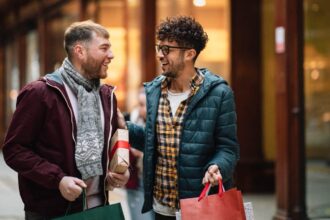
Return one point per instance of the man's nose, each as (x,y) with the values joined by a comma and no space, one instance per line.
(111,55)
(159,54)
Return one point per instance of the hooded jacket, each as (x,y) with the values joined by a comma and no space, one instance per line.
(40,143)
(208,137)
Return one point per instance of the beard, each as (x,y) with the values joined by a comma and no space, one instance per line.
(174,68)
(170,74)
(93,68)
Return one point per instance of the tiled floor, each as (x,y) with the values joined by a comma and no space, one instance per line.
(263,205)
(318,190)
(11,207)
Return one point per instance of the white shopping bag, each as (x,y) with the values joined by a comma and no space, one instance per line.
(178,215)
(248,208)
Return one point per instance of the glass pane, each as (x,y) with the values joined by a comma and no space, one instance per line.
(134,75)
(268,79)
(317,106)
(32,58)
(214,16)
(12,79)
(111,15)
(56,25)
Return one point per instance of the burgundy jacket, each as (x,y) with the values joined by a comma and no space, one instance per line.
(40,143)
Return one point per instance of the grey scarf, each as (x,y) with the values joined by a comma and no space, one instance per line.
(90,139)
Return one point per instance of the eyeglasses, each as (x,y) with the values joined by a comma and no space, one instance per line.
(166,48)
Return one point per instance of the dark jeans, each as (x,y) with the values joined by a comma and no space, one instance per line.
(135,201)
(163,217)
(34,216)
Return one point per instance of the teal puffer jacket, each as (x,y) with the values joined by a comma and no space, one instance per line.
(208,137)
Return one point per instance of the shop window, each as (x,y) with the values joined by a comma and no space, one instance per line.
(317,78)
(112,16)
(12,79)
(214,16)
(134,74)
(56,23)
(32,58)
(268,79)
(317,106)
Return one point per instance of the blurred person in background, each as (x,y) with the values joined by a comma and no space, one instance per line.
(59,135)
(135,182)
(190,136)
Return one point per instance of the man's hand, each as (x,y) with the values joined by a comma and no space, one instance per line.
(121,120)
(136,153)
(71,187)
(212,175)
(117,180)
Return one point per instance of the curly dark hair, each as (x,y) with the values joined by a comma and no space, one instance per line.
(184,30)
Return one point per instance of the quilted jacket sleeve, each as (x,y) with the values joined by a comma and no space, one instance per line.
(136,135)
(226,143)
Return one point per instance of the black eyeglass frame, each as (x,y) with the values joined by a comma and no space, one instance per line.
(166,48)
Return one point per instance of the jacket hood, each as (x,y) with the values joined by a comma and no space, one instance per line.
(54,76)
(211,79)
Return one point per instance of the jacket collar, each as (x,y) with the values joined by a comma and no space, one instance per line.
(153,91)
(210,80)
(55,79)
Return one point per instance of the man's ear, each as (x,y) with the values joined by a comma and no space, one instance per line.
(190,54)
(79,51)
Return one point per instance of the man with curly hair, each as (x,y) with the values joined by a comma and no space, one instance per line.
(190,135)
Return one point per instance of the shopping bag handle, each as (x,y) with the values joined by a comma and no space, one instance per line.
(85,204)
(207,187)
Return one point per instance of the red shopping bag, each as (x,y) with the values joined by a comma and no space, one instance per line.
(222,206)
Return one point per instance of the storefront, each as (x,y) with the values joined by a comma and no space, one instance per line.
(245,47)
(34,37)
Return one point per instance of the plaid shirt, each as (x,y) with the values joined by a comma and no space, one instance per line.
(169,130)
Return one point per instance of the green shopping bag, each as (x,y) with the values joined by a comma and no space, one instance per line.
(107,212)
(111,212)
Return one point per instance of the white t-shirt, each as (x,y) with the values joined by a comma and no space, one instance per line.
(176,98)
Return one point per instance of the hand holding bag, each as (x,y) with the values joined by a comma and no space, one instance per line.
(107,212)
(222,206)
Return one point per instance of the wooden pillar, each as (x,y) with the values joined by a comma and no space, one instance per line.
(148,40)
(41,27)
(22,58)
(2,90)
(290,162)
(82,9)
(246,81)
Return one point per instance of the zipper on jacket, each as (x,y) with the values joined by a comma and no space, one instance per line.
(108,145)
(189,110)
(109,136)
(71,113)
